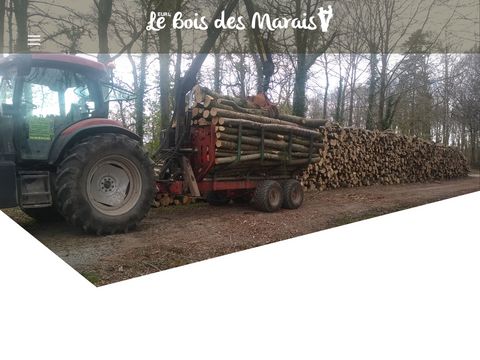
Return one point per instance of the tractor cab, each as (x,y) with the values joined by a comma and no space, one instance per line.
(42,95)
(60,156)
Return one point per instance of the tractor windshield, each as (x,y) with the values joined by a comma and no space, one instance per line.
(51,100)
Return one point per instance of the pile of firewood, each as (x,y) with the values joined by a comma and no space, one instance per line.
(170,199)
(357,157)
(254,139)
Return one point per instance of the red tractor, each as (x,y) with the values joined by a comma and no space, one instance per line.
(60,155)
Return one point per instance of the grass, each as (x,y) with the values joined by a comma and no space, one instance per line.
(91,276)
(17,215)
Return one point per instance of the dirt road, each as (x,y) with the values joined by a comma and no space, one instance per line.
(180,235)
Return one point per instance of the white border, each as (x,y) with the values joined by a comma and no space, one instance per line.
(400,286)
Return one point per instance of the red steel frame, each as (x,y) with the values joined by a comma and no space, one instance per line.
(203,141)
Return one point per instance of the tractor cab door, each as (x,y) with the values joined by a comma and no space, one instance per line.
(7,87)
(8,188)
(51,100)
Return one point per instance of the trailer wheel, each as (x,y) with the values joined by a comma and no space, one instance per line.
(268,196)
(105,184)
(292,194)
(217,198)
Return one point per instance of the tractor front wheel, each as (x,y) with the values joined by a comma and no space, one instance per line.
(105,184)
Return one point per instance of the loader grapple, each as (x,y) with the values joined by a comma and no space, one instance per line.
(203,158)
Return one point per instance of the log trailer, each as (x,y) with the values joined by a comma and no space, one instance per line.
(60,155)
(187,156)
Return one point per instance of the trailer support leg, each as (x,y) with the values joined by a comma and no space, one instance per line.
(189,177)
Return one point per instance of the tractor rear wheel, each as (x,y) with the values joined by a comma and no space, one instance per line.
(268,196)
(105,184)
(46,214)
(292,194)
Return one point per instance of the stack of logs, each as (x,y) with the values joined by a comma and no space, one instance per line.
(256,141)
(320,154)
(357,157)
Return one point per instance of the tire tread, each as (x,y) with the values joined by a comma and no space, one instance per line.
(71,204)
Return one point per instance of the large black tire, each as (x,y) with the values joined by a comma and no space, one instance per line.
(268,196)
(46,214)
(292,194)
(105,184)
(217,198)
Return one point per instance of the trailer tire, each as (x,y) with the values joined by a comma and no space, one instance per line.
(46,214)
(268,196)
(217,198)
(292,194)
(105,184)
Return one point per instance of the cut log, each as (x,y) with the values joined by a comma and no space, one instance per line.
(274,144)
(267,156)
(231,145)
(313,123)
(251,117)
(285,129)
(201,92)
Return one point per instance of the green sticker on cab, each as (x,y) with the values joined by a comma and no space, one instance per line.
(40,129)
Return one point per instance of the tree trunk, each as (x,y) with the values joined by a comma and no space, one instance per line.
(339,106)
(20,9)
(104,8)
(217,72)
(325,95)
(10,26)
(353,79)
(372,87)
(256,59)
(242,75)
(164,38)
(473,146)
(140,99)
(446,102)
(383,124)
(178,61)
(299,104)
(2,24)
(342,105)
